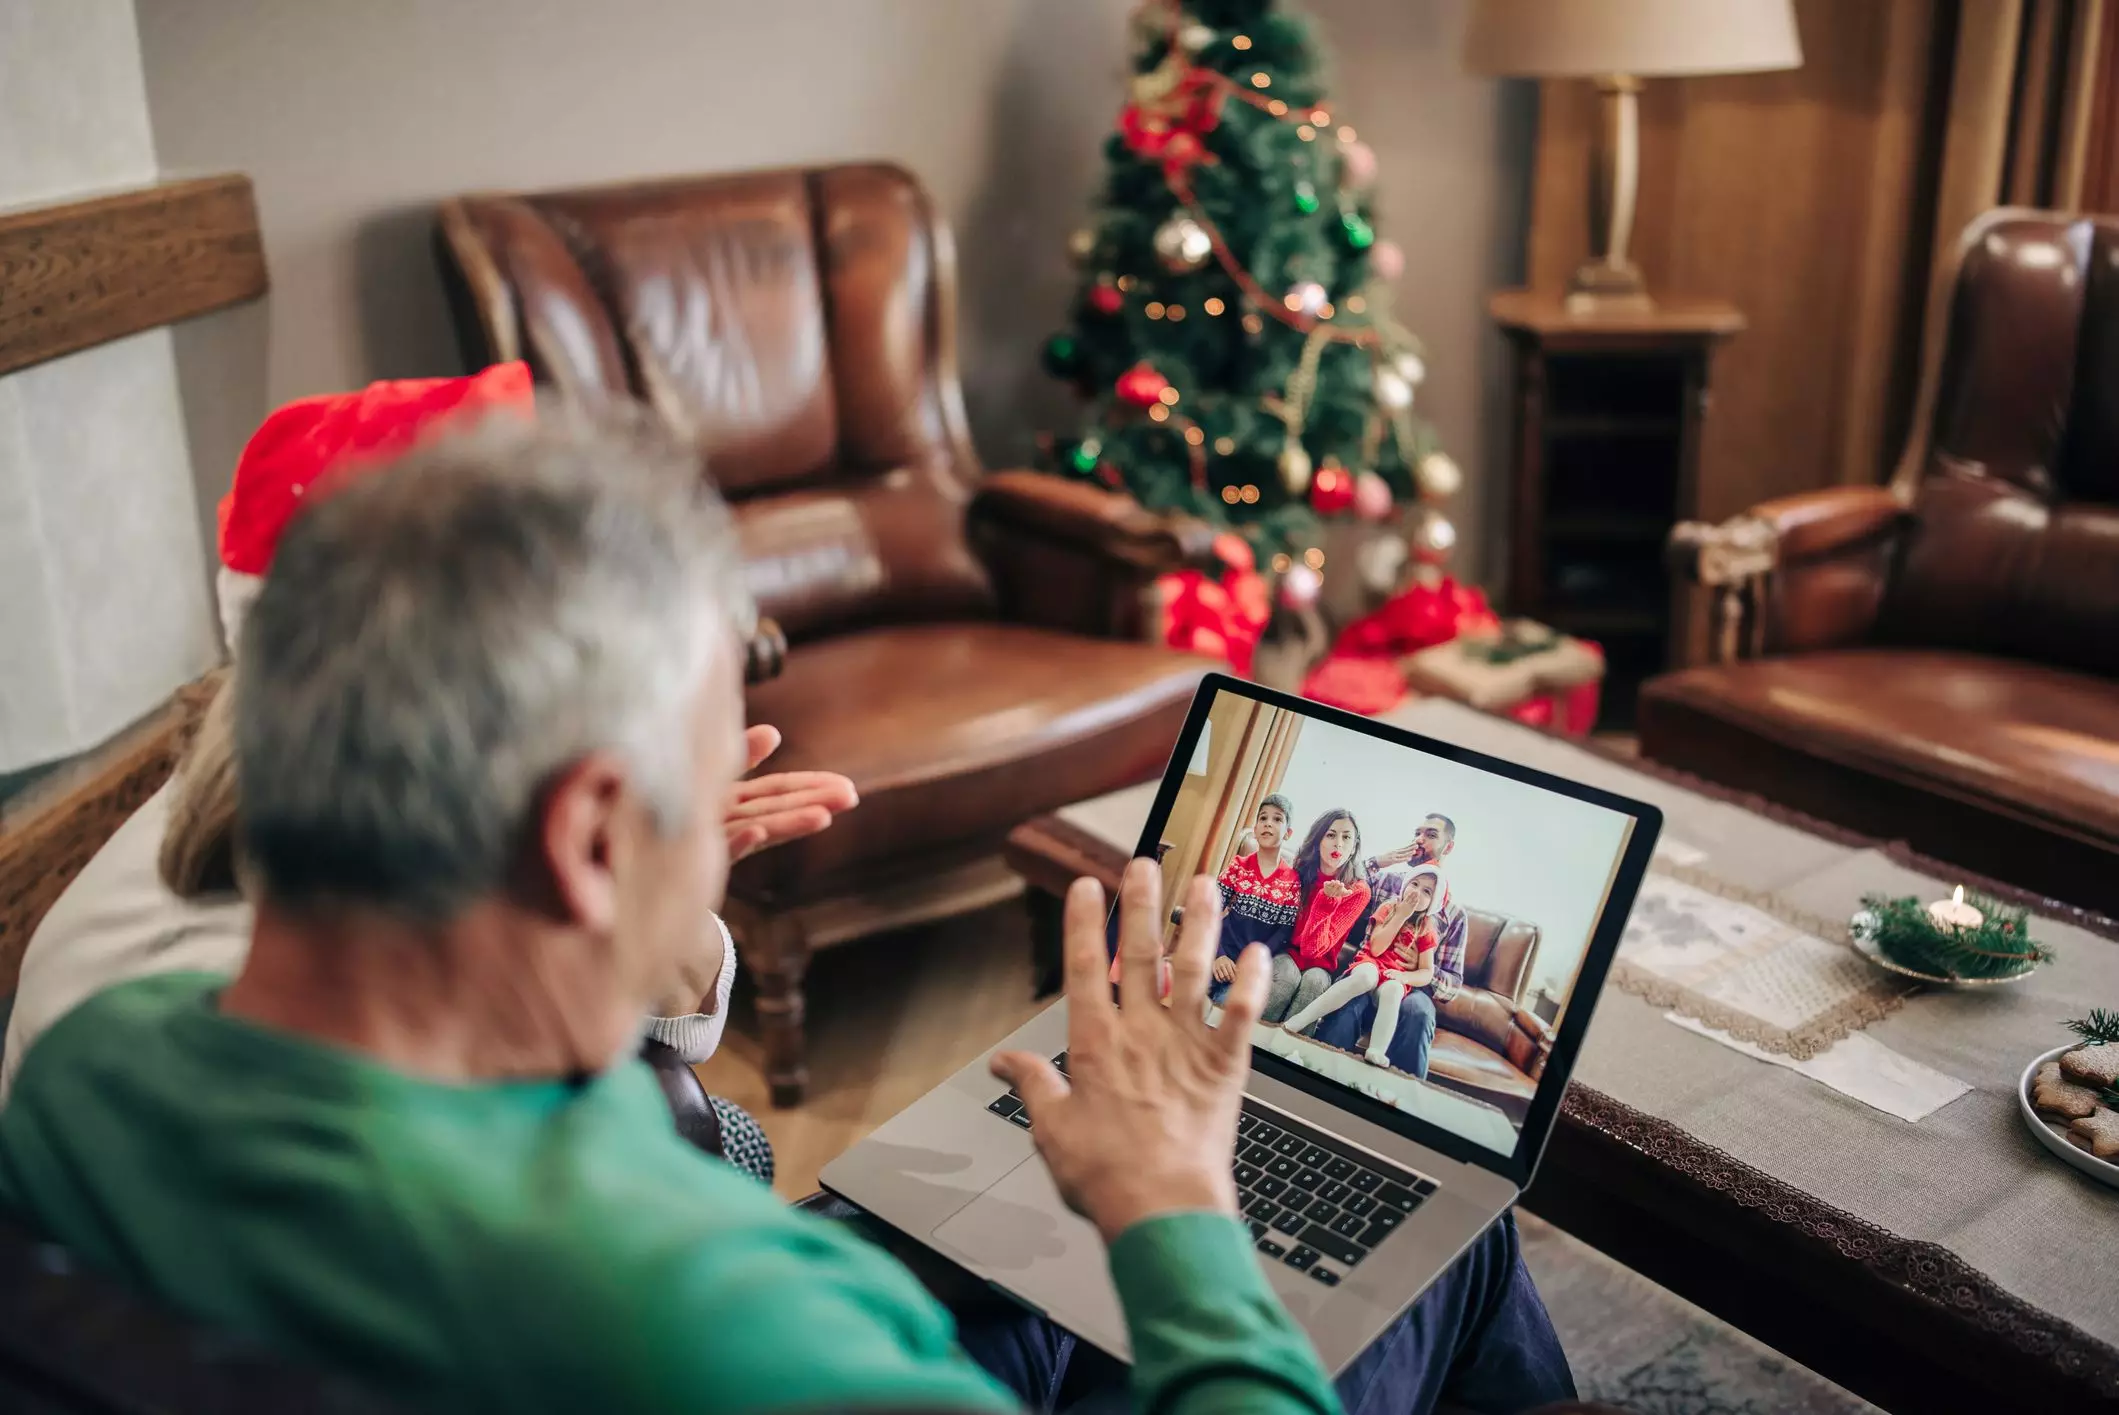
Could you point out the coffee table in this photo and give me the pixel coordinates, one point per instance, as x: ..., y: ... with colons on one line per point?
x: 1946, y: 1265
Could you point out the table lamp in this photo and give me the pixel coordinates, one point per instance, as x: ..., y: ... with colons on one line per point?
x: 1617, y: 43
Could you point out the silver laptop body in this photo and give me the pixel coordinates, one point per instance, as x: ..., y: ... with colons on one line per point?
x: 1391, y: 1191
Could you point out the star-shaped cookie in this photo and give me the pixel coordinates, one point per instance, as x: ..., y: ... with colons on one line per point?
x: 2098, y: 1133
x: 2055, y: 1095
x: 2094, y: 1066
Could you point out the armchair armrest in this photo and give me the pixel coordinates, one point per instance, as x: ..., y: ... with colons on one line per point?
x: 1795, y: 574
x: 1066, y: 555
x: 1529, y: 1043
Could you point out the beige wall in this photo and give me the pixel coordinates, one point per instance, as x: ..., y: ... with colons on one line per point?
x: 103, y: 604
x: 354, y: 116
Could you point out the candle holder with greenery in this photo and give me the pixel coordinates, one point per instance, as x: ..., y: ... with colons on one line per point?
x: 1908, y: 933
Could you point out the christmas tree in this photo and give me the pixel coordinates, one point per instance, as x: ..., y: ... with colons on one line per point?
x: 1232, y: 336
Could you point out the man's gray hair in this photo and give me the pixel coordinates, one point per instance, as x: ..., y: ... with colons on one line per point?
x: 438, y: 638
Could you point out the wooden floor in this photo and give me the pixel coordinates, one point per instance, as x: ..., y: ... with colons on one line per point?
x: 888, y: 1018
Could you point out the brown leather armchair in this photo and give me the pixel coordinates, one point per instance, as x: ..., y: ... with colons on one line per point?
x: 967, y: 647
x: 1934, y: 661
x: 1487, y: 1044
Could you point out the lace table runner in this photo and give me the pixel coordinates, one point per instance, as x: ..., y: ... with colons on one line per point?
x: 1744, y: 963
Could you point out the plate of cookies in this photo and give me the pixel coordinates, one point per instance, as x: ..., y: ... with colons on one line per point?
x: 2070, y: 1099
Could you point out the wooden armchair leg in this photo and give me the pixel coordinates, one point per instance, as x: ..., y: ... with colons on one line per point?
x: 777, y: 956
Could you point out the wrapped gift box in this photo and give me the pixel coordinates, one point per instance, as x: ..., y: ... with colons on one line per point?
x: 1525, y: 671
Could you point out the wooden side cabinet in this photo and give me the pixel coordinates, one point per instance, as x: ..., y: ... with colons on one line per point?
x: 1605, y: 459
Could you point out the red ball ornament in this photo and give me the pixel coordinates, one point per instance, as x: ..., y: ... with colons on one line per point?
x: 1331, y: 490
x: 1372, y: 497
x: 1141, y: 386
x: 1105, y: 299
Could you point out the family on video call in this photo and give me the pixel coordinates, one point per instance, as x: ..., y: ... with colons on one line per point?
x: 1306, y: 902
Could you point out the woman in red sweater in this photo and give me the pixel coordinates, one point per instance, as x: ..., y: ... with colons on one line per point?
x: 1333, y: 896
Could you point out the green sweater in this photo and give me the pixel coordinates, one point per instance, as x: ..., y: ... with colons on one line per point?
x: 535, y: 1245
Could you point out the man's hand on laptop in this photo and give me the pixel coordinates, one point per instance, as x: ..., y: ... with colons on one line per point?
x: 1147, y: 1123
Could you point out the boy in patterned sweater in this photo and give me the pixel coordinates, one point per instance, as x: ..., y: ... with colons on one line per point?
x: 1259, y: 896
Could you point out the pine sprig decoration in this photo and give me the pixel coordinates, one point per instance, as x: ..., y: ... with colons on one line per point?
x: 1907, y: 934
x: 2100, y: 1028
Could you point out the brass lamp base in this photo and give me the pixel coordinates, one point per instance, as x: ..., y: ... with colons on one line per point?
x: 1603, y: 286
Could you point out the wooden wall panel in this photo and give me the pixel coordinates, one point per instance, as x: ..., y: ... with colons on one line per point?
x: 87, y: 272
x: 1803, y: 197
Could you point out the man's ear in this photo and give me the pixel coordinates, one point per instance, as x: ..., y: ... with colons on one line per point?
x: 579, y: 834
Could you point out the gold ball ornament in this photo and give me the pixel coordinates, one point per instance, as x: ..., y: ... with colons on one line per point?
x: 1434, y: 539
x: 1439, y: 477
x: 1195, y: 37
x: 1410, y: 367
x: 1392, y: 391
x: 1081, y: 245
x: 1182, y: 244
x: 1294, y: 468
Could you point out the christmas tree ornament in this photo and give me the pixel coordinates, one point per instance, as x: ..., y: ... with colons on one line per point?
x: 1182, y: 244
x: 1195, y: 37
x: 1434, y: 538
x: 1392, y: 391
x: 1331, y: 490
x: 1294, y: 468
x: 1081, y: 245
x: 1360, y: 163
x: 1305, y: 198
x: 1386, y: 260
x: 1085, y: 455
x: 1307, y: 297
x: 1105, y: 298
x: 1411, y: 367
x: 1142, y: 386
x: 1062, y: 357
x: 1380, y: 561
x: 1355, y: 227
x: 1439, y: 477
x: 1300, y: 586
x: 1372, y: 497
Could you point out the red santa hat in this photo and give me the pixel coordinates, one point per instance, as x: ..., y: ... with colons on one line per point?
x: 311, y: 444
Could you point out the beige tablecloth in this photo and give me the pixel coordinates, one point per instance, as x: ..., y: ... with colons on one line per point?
x: 1968, y: 1176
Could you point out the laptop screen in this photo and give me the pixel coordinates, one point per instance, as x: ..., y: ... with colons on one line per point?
x: 1428, y: 916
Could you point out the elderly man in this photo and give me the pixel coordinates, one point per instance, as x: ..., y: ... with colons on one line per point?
x: 488, y: 706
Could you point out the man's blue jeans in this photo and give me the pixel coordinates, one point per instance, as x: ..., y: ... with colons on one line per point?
x: 1479, y: 1339
x: 1410, y: 1044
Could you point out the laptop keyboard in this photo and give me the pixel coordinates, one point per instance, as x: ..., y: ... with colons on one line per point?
x: 1313, y: 1202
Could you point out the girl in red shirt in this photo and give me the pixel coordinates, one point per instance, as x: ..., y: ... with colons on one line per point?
x: 1398, y: 956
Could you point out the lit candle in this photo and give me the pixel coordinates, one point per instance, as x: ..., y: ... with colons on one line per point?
x: 1954, y: 913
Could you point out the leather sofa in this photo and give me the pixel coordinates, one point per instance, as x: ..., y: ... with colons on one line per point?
x: 968, y: 647
x: 1933, y: 661
x: 1487, y: 1043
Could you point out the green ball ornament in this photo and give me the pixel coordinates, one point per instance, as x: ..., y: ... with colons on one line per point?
x: 1086, y: 455
x: 1359, y: 234
x: 1062, y: 356
x: 1305, y: 198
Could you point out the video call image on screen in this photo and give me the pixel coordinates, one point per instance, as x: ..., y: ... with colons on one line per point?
x: 1426, y: 920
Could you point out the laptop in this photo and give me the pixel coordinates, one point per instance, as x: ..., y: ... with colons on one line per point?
x: 1361, y: 1179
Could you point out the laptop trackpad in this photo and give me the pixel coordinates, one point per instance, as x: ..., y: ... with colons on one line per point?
x: 1021, y: 1235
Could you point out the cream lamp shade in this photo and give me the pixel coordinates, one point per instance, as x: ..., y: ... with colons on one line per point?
x: 1617, y: 43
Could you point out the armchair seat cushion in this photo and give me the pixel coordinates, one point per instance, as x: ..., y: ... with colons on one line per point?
x: 955, y: 733
x: 2003, y: 766
x: 1466, y: 1064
